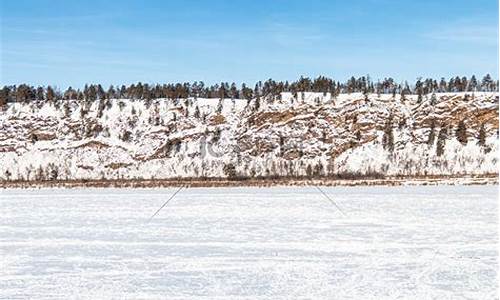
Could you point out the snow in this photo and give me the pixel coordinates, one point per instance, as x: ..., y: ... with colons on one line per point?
x: 248, y: 243
x: 321, y: 128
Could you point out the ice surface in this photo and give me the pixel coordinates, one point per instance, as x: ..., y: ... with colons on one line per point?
x: 250, y: 243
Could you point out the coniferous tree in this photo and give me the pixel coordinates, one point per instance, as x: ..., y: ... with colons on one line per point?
x: 309, y: 171
x: 92, y: 93
x: 388, y: 137
x: 4, y: 96
x: 472, y: 84
x: 229, y: 170
x: 40, y: 94
x: 432, y: 133
x: 419, y: 90
x: 233, y: 91
x: 220, y: 106
x: 50, y: 94
x: 461, y: 132
x: 443, y: 86
x: 443, y: 134
x: 100, y: 94
x: 257, y: 104
x: 111, y: 94
x: 197, y: 112
x: 246, y: 92
x: 486, y: 83
x: 433, y: 99
x: 481, y: 140
x: 222, y: 91
x: 66, y: 109
x: 271, y: 90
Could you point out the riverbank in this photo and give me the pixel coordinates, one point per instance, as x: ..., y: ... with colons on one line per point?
x: 257, y: 182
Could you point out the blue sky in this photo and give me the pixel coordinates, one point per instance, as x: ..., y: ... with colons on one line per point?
x: 68, y: 42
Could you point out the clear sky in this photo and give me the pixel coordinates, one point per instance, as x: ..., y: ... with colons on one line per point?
x: 69, y: 42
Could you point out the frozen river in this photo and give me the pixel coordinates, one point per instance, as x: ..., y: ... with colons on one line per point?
x: 250, y: 243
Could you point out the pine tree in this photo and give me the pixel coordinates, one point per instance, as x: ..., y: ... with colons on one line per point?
x: 309, y: 171
x: 229, y: 170
x: 461, y: 132
x: 100, y: 108
x: 66, y: 109
x: 91, y: 93
x: 111, y: 94
x: 257, y: 104
x: 443, y: 134
x: 472, y: 84
x: 388, y: 137
x: 486, y: 83
x: 432, y: 133
x: 433, y: 99
x: 50, y: 94
x: 443, y: 86
x: 220, y: 105
x: 482, y: 136
x: 40, y: 94
x: 39, y: 175
x: 418, y: 89
x: 318, y: 169
x: 4, y: 97
x: 197, y: 112
x: 100, y: 92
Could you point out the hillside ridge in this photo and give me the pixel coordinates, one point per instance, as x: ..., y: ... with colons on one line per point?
x: 305, y: 135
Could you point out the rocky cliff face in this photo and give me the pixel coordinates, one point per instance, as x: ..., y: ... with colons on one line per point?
x: 310, y: 135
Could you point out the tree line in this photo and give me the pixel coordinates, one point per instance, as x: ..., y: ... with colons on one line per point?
x: 225, y: 90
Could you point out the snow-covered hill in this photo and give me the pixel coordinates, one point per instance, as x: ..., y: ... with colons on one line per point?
x: 312, y: 134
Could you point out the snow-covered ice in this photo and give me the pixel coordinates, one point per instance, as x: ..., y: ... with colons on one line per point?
x: 250, y: 243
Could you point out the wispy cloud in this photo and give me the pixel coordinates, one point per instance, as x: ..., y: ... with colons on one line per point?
x: 291, y: 35
x: 65, y: 19
x: 465, y: 33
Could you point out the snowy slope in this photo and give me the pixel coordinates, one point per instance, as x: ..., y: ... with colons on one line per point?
x: 274, y: 136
